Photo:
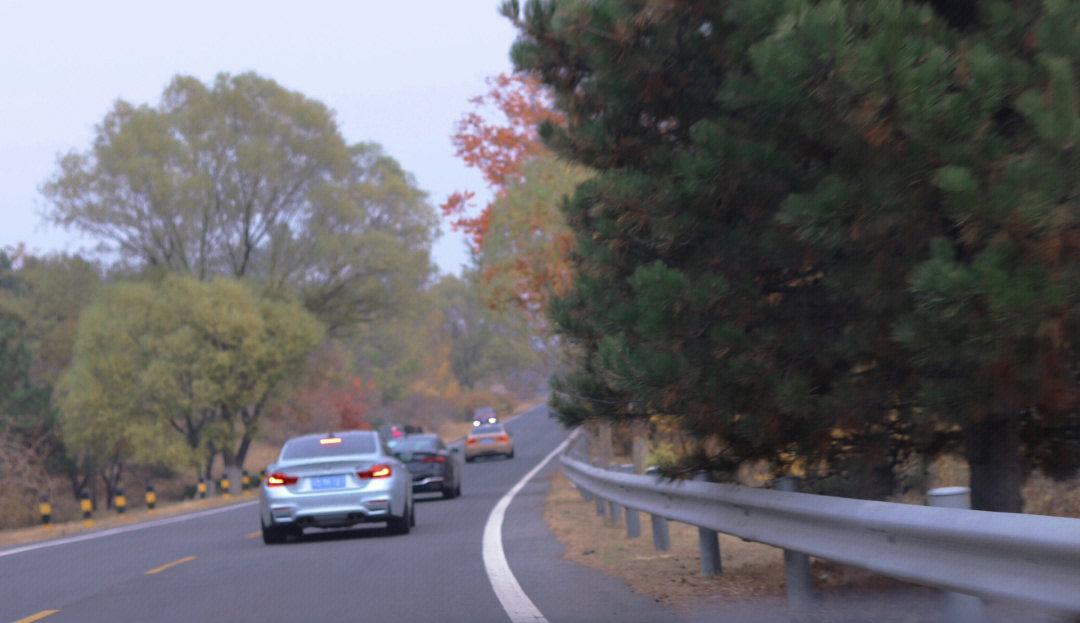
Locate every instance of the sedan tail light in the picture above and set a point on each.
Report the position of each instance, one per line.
(470, 441)
(433, 459)
(502, 438)
(382, 470)
(278, 479)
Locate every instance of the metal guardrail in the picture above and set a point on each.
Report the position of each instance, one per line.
(1027, 558)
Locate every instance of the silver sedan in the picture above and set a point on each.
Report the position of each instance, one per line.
(335, 480)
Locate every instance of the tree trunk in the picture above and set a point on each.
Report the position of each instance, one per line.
(997, 464)
(241, 451)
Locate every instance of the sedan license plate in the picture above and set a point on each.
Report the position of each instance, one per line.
(487, 441)
(328, 482)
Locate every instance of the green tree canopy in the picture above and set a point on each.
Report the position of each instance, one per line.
(247, 179)
(202, 359)
(818, 214)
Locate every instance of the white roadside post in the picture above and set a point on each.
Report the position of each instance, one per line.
(959, 608)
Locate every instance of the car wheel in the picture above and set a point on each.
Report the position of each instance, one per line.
(457, 490)
(412, 515)
(399, 525)
(469, 459)
(511, 455)
(448, 493)
(272, 535)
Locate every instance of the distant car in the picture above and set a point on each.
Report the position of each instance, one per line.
(433, 466)
(484, 415)
(335, 480)
(487, 440)
(389, 432)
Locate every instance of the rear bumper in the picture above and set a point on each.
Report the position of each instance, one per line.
(487, 449)
(429, 483)
(328, 510)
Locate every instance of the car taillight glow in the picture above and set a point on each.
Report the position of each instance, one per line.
(470, 441)
(502, 438)
(278, 479)
(381, 470)
(433, 459)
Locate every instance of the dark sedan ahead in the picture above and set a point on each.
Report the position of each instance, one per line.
(434, 466)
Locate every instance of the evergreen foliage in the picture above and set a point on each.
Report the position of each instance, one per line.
(814, 219)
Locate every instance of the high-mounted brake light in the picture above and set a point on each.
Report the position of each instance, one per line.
(433, 459)
(329, 440)
(278, 479)
(381, 470)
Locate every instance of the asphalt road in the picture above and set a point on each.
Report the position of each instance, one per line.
(214, 567)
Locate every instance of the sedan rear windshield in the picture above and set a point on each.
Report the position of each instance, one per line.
(487, 429)
(417, 444)
(319, 447)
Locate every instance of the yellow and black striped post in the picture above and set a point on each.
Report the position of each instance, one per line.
(46, 511)
(201, 489)
(151, 497)
(224, 488)
(87, 508)
(120, 501)
(245, 481)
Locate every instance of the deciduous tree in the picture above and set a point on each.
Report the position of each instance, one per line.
(244, 178)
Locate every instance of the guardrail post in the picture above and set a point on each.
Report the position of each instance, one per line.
(614, 510)
(224, 488)
(120, 501)
(633, 519)
(200, 489)
(585, 494)
(151, 497)
(600, 506)
(959, 608)
(660, 537)
(709, 545)
(800, 583)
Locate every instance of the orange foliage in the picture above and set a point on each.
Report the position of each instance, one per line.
(497, 148)
(330, 398)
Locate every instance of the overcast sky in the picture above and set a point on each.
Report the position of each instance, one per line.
(397, 73)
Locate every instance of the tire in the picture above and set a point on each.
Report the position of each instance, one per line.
(412, 515)
(448, 493)
(400, 525)
(511, 455)
(272, 535)
(469, 459)
(457, 490)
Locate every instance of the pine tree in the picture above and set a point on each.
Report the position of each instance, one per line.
(813, 216)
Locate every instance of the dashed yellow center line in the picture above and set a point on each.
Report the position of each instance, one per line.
(37, 617)
(253, 535)
(171, 564)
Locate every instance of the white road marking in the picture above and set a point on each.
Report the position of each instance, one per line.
(514, 600)
(123, 529)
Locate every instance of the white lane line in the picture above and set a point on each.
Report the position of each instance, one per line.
(514, 600)
(123, 529)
